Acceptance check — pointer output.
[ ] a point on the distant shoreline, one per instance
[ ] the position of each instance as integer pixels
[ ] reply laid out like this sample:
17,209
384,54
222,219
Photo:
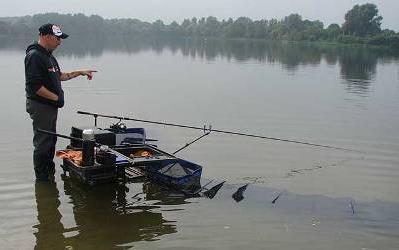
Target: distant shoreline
292,28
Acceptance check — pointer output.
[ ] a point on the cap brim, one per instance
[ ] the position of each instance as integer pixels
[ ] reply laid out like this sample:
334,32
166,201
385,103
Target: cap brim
63,36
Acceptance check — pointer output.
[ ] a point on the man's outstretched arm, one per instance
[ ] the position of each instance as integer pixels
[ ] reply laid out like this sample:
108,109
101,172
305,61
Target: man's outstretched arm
73,74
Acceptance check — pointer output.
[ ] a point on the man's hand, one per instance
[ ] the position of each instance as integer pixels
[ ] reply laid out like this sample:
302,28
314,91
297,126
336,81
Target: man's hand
43,92
88,73
71,75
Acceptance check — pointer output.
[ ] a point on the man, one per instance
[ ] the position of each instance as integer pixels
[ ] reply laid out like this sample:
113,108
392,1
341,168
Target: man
44,95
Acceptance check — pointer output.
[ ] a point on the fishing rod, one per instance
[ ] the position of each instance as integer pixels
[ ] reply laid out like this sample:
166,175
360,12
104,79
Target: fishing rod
188,144
96,115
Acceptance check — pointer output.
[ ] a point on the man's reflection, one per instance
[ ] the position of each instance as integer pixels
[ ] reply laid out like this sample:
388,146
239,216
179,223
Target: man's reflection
50,230
106,216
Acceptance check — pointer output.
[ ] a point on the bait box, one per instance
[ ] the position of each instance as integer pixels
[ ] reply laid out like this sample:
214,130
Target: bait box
176,173
163,168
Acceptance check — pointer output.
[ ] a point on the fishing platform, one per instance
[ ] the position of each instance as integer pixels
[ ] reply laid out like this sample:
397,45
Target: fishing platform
119,154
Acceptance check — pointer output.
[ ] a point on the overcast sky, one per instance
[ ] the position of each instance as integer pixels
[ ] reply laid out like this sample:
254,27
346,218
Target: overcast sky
327,11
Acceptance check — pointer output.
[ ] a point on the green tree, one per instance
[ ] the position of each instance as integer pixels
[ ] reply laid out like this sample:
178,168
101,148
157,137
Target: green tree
362,20
241,28
211,26
333,31
294,22
158,27
260,28
174,29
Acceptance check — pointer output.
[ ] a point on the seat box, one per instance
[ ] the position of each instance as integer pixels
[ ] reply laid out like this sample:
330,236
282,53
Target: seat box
98,173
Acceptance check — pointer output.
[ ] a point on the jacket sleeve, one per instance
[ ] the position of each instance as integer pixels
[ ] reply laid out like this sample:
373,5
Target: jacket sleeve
35,71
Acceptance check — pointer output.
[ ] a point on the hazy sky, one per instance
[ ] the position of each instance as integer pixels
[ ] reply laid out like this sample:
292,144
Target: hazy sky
327,11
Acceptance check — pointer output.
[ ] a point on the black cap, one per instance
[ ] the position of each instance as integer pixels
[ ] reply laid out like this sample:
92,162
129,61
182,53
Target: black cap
52,29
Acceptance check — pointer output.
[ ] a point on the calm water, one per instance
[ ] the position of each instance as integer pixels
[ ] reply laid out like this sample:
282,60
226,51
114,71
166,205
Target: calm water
330,199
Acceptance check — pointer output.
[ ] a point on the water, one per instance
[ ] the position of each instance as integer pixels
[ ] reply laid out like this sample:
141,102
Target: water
329,199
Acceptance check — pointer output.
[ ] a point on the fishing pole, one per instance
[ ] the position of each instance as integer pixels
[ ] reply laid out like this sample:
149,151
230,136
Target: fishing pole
95,115
59,135
188,144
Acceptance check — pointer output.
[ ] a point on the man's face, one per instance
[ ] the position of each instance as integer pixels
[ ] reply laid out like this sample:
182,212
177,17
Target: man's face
53,41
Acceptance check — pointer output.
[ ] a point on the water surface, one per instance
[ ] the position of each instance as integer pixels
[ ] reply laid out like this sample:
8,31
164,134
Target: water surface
329,199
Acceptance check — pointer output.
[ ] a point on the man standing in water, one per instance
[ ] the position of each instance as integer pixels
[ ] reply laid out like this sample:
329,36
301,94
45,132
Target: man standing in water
44,95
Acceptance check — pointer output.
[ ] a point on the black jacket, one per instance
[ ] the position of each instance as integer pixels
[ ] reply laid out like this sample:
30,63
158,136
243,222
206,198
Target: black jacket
42,69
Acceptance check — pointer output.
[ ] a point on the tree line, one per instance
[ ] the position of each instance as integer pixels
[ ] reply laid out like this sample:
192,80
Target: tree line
362,26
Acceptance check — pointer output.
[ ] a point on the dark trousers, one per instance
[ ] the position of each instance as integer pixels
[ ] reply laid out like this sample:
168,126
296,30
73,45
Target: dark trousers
44,117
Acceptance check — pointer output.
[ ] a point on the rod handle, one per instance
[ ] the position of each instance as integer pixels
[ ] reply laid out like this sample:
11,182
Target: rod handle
85,113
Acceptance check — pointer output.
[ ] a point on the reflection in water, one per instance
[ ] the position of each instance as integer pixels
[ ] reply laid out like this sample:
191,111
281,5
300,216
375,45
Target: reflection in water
163,196
239,194
210,193
106,216
358,64
50,230
110,216
358,69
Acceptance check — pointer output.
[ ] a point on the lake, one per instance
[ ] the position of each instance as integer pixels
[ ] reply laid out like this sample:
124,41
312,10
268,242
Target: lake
326,199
